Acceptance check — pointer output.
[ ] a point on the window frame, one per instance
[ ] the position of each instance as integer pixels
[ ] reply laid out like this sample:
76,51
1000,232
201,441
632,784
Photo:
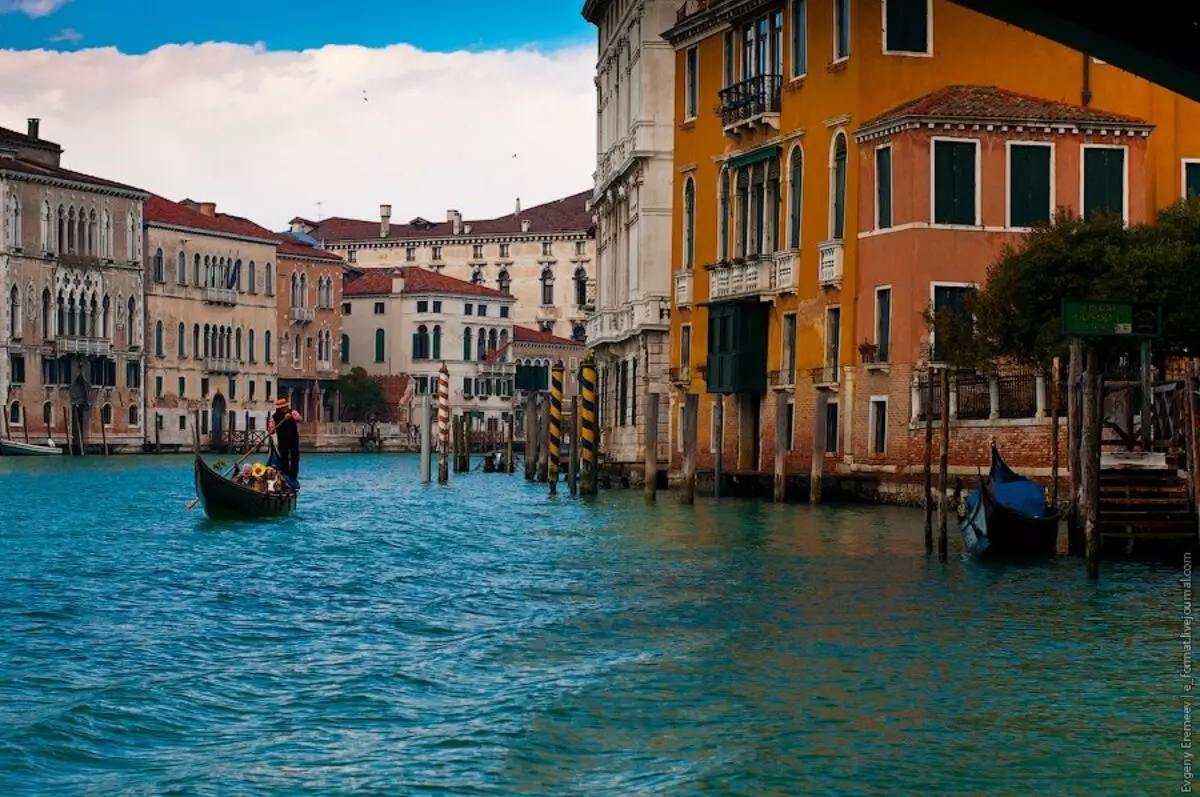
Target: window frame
835,440
933,286
691,83
873,447
689,222
799,36
795,203
1083,148
891,314
927,52
977,143
1183,169
839,58
891,185
1008,148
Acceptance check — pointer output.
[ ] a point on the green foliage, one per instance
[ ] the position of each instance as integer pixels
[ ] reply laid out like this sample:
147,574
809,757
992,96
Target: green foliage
362,396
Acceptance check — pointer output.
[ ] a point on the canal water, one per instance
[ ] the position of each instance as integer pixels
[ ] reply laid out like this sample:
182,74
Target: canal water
486,639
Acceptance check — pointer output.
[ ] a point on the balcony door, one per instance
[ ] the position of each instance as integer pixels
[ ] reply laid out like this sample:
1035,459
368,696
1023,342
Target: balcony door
833,341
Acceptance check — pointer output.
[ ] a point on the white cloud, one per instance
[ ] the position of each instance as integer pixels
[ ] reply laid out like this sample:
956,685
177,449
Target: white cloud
67,35
33,8
270,134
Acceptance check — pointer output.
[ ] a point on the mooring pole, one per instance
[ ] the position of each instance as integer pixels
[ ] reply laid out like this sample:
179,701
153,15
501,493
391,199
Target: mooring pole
573,458
650,486
929,459
1074,438
1056,375
691,408
820,430
426,417
1147,398
1089,456
444,425
508,449
719,453
587,425
781,442
944,470
556,394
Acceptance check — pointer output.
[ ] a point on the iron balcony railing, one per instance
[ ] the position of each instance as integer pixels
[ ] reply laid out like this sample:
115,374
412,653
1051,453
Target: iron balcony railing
750,99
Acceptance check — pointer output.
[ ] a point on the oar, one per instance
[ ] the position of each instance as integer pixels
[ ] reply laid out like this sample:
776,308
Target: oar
236,465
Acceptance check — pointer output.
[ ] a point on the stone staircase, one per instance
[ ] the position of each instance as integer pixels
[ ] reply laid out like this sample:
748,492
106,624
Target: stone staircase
1145,504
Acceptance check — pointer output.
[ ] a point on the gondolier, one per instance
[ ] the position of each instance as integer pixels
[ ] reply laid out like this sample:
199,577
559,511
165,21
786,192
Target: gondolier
285,425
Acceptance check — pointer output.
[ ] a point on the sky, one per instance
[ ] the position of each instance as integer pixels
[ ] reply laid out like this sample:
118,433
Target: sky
274,110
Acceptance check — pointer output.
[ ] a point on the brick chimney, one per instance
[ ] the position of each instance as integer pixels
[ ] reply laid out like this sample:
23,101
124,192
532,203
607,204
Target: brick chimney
34,128
385,220
208,209
455,218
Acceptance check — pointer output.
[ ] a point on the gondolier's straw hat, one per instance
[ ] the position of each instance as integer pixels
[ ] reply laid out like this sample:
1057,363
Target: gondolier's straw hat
281,404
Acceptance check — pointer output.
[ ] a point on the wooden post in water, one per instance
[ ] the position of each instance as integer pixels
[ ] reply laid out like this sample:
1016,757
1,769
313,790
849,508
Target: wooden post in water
781,441
573,458
1147,398
1074,438
650,487
691,408
531,426
554,424
444,425
1090,461
587,426
944,469
103,436
817,472
1056,375
426,439
543,460
1189,395
508,448
929,459
719,454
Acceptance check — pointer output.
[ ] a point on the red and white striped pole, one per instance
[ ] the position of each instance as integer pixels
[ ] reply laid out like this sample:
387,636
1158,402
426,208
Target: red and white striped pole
444,425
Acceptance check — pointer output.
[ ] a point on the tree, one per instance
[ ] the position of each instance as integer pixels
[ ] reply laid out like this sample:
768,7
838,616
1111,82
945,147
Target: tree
362,396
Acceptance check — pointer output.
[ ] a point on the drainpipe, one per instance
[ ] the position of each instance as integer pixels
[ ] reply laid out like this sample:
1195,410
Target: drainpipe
1087,81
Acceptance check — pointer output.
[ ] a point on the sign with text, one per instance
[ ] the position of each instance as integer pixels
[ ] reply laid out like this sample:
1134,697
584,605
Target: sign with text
1085,319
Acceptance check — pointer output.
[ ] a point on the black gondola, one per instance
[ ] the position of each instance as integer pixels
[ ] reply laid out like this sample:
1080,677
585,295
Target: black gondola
1007,517
223,499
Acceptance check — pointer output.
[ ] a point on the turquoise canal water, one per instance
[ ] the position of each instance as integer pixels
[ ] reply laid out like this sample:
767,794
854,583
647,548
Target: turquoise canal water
485,639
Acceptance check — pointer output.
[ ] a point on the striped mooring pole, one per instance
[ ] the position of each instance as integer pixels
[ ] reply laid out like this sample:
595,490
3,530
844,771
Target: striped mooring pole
556,395
444,425
587,424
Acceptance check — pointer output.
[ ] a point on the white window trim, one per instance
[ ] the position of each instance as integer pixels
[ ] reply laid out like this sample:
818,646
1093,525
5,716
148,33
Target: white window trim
787,209
687,94
933,142
831,401
1183,175
833,184
1008,148
875,400
841,59
891,182
783,338
933,286
691,342
878,289
689,258
928,52
791,403
20,413
794,75
824,329
1124,176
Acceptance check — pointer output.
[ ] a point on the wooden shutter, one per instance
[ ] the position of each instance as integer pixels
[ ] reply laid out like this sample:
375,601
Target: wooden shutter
907,26
954,182
1191,179
883,192
1029,185
1103,181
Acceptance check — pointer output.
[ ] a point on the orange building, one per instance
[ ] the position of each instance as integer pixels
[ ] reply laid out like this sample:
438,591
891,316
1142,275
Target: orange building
842,160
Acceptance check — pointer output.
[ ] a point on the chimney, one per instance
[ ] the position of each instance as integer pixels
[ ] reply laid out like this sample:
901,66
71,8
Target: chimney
34,127
524,225
467,229
397,281
517,212
208,209
455,218
385,220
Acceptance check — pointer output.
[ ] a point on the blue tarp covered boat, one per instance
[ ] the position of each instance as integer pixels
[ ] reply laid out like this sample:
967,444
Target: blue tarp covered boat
1007,518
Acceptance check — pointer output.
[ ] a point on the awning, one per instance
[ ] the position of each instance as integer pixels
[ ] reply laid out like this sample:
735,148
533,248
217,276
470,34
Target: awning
753,156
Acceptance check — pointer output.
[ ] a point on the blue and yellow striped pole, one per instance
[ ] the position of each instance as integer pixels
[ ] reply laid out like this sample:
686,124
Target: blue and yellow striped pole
556,395
587,424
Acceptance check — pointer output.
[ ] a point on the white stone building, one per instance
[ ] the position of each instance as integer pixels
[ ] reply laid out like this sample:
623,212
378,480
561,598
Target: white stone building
631,202
410,320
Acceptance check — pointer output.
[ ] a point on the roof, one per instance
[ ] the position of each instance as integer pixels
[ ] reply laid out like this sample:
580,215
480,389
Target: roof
290,247
162,211
14,137
537,336
991,104
45,171
569,214
378,282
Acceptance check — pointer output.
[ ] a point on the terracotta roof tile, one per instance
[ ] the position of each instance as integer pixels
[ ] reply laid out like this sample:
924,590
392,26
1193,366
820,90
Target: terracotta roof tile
537,336
569,214
58,173
163,211
996,105
377,282
290,246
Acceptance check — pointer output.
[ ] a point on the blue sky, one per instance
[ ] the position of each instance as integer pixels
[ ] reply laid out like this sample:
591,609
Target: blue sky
138,26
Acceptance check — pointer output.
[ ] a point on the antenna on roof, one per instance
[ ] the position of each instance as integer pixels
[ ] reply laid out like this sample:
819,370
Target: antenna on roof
318,211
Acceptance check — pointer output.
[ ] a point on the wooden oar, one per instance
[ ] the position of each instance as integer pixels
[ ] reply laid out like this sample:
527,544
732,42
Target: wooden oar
236,465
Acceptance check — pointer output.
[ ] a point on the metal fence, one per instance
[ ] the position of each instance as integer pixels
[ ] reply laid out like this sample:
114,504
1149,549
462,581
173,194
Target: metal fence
974,396
1018,394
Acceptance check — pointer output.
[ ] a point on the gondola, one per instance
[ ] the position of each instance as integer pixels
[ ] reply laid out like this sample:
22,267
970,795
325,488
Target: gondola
1006,517
223,499
11,448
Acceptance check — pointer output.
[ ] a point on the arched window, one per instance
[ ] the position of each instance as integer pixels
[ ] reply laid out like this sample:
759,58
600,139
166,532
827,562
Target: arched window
46,227
477,277
106,236
345,348
134,419
71,230
580,287
106,415
208,352
467,344
208,272
437,341
481,345
47,329
47,415
14,224
504,345
837,210
196,270
295,292
267,345
105,320
303,291
70,328
379,345
158,266
795,196
252,279
579,332
196,340
269,280
237,275
421,343
547,286
61,239
689,224
772,203
158,339
92,316
131,235
181,344
298,350
492,341
504,281
14,414
250,352
237,344
181,269
130,317
14,313
91,232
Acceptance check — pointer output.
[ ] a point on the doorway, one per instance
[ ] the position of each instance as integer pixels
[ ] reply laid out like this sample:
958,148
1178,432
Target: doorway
217,439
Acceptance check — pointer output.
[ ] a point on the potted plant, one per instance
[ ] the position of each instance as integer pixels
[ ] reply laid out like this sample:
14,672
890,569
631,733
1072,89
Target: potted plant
868,351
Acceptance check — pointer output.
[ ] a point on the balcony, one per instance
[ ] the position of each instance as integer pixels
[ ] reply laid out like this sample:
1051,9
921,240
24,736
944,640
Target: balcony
681,376
751,103
92,347
220,296
826,376
498,369
221,365
783,379
303,315
325,368
683,287
746,278
830,273
787,267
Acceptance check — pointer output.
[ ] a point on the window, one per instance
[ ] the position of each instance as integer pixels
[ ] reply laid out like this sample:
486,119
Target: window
251,349
378,308
423,306
182,387
730,62
477,252
14,224
831,426
883,187
158,387
267,387
181,341
252,278
799,38
134,417
952,299
181,269
158,339
581,249
14,313
232,387
437,253
837,226
477,277
467,345
795,196
468,309
267,347
250,396
1104,178
689,224
685,347
692,97
787,360
580,281
504,251
504,311
777,43
410,254
841,30
269,279
351,256
954,182
379,345
481,310
883,324
437,342
906,26
879,414
345,348
16,368
504,282
723,216
204,387
1030,180
346,308
547,249
437,306
131,237
1191,178
159,267
547,287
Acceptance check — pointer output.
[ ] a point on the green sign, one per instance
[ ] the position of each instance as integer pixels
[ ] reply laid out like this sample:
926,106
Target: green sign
1111,319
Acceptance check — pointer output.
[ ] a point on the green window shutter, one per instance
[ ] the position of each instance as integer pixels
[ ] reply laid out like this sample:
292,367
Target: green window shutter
1029,185
839,188
883,193
954,182
1191,179
1103,181
907,26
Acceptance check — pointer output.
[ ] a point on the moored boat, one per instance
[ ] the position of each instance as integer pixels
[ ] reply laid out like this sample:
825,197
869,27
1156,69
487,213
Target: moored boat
1007,517
224,499
12,448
